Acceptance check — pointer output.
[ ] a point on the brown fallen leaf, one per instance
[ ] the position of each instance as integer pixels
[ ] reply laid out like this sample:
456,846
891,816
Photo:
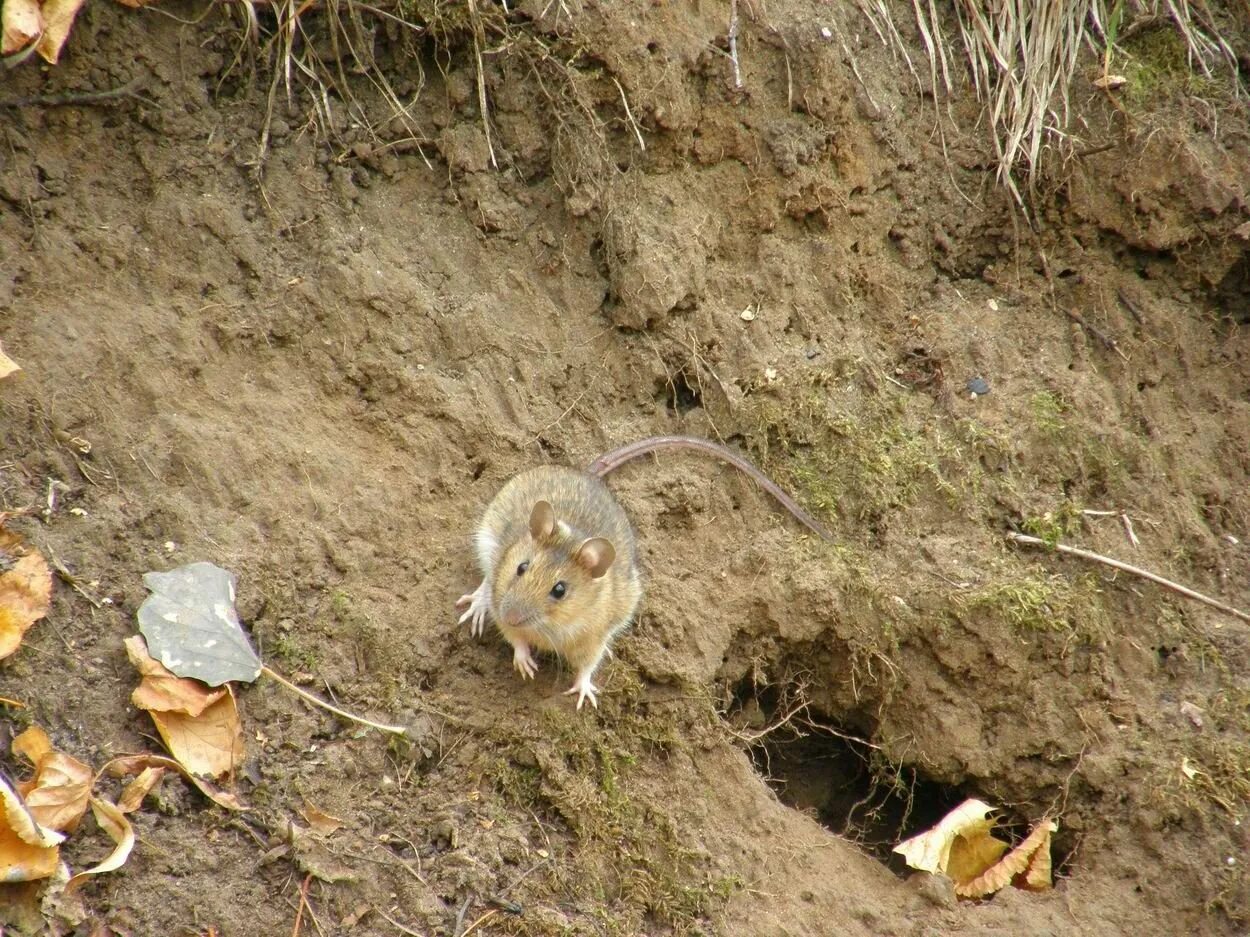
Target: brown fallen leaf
931,851
960,846
210,744
200,724
28,850
58,17
162,691
7,365
139,788
319,821
25,588
115,824
57,794
1016,862
1039,875
21,24
136,764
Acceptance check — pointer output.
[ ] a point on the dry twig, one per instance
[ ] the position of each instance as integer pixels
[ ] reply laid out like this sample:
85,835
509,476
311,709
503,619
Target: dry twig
1135,570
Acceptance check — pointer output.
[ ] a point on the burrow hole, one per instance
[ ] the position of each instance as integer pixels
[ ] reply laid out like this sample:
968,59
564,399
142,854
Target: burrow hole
829,770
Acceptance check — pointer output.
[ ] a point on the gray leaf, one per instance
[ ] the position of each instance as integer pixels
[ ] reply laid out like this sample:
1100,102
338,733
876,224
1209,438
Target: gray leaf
192,628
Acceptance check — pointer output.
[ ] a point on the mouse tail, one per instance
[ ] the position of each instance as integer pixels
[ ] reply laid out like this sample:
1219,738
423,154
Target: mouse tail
610,461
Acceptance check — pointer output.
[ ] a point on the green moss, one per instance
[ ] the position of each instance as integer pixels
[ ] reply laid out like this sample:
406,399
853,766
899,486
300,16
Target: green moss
1053,526
1033,601
1157,64
294,654
860,463
1049,413
631,857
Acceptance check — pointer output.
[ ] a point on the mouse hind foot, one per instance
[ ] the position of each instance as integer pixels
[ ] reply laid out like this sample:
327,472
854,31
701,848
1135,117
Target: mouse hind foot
478,605
584,689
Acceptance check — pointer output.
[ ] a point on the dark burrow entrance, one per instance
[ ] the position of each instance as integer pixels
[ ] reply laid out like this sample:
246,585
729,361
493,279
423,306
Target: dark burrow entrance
828,769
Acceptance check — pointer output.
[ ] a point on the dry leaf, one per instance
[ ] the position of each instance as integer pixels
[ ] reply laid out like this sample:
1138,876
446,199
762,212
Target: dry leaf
7,365
210,744
931,851
28,851
961,847
1039,875
139,788
972,855
1017,861
1110,82
21,24
200,725
136,764
25,588
57,795
320,821
58,17
161,691
113,822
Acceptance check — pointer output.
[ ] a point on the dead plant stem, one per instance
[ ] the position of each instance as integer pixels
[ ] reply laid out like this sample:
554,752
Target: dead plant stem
317,701
1135,570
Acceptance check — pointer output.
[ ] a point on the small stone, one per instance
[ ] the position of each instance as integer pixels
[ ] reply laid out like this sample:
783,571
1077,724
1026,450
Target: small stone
937,890
978,387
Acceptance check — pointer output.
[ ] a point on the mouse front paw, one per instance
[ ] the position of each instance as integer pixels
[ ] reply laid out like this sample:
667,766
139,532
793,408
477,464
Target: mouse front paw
585,690
523,660
478,602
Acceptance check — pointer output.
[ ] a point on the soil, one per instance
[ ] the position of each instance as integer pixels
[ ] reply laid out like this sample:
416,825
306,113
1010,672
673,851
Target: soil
296,331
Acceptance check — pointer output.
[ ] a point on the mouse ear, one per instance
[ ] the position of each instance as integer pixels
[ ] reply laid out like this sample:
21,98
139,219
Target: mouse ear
542,521
595,556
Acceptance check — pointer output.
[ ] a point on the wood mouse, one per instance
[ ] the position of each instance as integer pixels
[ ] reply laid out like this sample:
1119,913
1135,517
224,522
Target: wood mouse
559,564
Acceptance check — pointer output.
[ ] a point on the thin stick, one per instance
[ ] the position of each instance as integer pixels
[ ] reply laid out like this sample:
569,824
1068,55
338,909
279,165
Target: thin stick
1135,570
482,920
400,927
317,701
303,902
1096,332
128,90
479,38
642,144
733,42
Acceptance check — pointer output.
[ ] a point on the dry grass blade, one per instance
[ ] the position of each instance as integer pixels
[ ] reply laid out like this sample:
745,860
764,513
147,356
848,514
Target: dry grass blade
1023,54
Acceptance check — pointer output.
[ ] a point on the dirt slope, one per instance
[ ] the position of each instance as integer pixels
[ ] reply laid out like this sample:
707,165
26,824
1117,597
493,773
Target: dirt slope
315,368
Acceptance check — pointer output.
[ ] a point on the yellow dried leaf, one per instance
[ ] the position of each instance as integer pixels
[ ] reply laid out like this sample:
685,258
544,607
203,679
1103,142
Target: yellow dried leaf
7,365
58,17
21,24
1039,875
136,764
25,590
57,795
162,691
1001,874
28,851
931,851
320,821
32,745
210,744
115,824
969,857
139,788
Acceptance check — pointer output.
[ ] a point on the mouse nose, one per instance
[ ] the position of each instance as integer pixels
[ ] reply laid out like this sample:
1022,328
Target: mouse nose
512,615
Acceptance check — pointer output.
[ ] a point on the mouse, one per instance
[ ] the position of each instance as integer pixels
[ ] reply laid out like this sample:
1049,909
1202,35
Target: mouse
559,559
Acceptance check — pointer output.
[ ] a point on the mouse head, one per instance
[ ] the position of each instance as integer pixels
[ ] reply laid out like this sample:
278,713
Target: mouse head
551,576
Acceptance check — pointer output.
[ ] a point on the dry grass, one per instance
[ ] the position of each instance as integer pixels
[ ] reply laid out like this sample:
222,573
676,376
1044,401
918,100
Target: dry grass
1022,56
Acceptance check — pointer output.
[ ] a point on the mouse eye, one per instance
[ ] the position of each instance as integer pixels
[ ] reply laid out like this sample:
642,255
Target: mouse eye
520,570
558,590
